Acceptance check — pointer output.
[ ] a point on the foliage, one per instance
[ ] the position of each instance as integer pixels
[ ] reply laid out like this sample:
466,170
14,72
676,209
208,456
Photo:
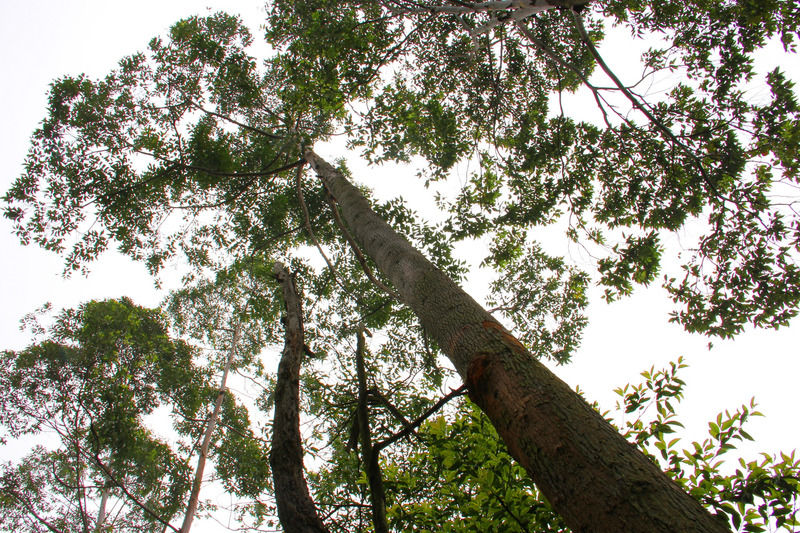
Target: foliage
134,148
95,394
89,389
758,496
466,85
458,476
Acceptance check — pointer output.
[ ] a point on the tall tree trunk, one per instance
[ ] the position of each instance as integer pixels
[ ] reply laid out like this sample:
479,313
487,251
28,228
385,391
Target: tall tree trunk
194,498
296,509
591,475
370,457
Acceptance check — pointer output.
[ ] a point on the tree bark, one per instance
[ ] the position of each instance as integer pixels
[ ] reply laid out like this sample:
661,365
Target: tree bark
591,475
296,509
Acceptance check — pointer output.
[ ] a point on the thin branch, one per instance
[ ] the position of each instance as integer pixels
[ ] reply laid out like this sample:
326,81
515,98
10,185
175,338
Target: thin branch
242,188
370,456
175,165
32,511
505,506
194,497
216,173
610,73
246,435
356,250
313,237
635,101
418,422
569,66
395,412
127,493
240,124
652,118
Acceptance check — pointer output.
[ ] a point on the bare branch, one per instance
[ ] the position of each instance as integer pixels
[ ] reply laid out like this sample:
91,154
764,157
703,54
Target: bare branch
418,422
392,409
313,237
194,497
369,455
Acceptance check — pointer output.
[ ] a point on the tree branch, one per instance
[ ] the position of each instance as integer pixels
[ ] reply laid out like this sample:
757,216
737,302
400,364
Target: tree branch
313,238
565,64
197,483
418,422
234,121
392,409
32,511
638,104
127,493
356,250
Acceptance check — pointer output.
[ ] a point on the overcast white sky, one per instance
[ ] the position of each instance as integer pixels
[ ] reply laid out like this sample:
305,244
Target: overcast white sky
43,39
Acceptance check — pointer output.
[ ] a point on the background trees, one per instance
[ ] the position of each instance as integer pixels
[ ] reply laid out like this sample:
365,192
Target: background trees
323,237
88,387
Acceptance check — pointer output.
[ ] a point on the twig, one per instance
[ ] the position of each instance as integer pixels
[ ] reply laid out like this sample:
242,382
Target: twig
635,101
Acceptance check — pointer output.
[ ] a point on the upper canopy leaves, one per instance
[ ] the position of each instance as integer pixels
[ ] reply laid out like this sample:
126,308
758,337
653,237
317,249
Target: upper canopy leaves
473,82
136,152
184,149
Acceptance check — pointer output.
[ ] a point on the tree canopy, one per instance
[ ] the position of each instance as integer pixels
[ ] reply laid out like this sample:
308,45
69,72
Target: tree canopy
196,151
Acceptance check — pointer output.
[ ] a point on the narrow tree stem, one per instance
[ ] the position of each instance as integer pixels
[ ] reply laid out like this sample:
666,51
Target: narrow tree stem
370,457
194,498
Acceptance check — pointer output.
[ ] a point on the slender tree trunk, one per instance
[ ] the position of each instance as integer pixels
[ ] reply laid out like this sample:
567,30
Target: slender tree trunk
296,509
369,456
194,498
101,513
591,475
